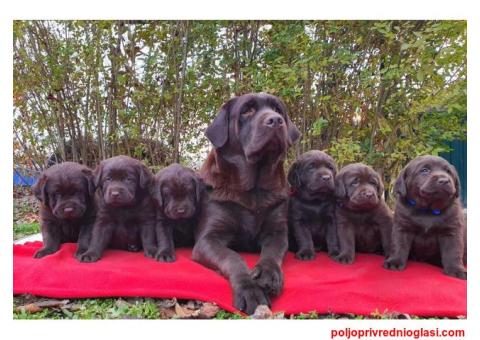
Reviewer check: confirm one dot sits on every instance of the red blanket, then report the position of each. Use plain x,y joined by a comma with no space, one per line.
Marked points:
320,285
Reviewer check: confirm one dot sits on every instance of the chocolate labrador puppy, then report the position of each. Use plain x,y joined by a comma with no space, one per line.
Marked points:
311,205
364,221
67,210
126,213
177,192
246,207
429,224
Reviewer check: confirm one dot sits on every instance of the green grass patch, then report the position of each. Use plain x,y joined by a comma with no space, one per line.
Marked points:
24,229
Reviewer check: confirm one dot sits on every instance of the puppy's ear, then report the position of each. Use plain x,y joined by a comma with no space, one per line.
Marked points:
400,187
217,132
40,190
292,130
340,189
294,175
89,177
146,177
156,190
199,188
97,175
456,180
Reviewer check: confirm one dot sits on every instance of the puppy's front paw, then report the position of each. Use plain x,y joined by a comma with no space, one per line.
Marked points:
344,258
305,254
165,256
43,252
150,252
459,273
248,295
89,256
393,263
269,276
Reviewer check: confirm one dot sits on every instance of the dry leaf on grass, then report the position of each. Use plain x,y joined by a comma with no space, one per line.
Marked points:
208,310
262,312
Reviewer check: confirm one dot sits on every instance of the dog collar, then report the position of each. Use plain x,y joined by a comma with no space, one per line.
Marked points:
413,203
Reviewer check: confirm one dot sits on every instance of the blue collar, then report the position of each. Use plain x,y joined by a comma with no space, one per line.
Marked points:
413,203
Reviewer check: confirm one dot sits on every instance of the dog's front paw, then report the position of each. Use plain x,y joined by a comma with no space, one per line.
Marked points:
269,276
247,295
305,254
165,256
43,252
344,258
393,263
89,256
459,273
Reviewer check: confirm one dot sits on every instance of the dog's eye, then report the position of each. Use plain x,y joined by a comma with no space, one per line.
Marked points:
330,166
373,183
108,179
311,166
425,171
355,183
128,179
248,111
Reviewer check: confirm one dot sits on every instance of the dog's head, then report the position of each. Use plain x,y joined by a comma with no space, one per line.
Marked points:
178,191
358,187
312,175
429,181
66,189
122,181
255,126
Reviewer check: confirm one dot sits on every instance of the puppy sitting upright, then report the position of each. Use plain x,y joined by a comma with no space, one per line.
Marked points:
364,221
177,192
429,224
126,214
311,205
67,211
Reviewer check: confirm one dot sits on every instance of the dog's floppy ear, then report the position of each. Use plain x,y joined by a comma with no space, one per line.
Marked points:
199,188
97,175
292,130
217,132
156,190
90,181
400,187
340,189
294,175
146,177
456,180
40,190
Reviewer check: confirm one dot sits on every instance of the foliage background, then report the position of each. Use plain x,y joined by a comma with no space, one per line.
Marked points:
381,92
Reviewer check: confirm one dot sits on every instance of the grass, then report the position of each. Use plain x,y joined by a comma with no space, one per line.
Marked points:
24,229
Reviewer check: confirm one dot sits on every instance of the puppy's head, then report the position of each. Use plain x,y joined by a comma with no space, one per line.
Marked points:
255,126
429,181
312,175
178,191
122,181
66,189
359,187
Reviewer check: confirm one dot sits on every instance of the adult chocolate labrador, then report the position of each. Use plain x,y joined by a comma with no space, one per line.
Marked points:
246,207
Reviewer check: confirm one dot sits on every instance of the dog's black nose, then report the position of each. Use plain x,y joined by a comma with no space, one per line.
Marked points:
274,120
367,194
326,178
443,180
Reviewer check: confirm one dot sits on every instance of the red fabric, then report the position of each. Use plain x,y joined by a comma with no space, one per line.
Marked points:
320,285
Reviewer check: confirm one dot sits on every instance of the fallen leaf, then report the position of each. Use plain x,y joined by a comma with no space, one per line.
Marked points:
185,313
208,310
262,312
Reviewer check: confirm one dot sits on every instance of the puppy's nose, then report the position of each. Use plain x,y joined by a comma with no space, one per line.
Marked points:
67,210
181,210
367,194
274,120
443,180
326,178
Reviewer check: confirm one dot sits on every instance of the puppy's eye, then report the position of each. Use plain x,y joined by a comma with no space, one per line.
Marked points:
330,166
373,183
355,182
128,179
425,171
248,111
108,179
311,166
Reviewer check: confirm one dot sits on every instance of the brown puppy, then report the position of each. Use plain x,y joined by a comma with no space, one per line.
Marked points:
429,224
311,205
246,208
126,214
67,211
364,221
177,192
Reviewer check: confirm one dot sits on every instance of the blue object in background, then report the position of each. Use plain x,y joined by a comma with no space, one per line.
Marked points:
458,158
24,178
